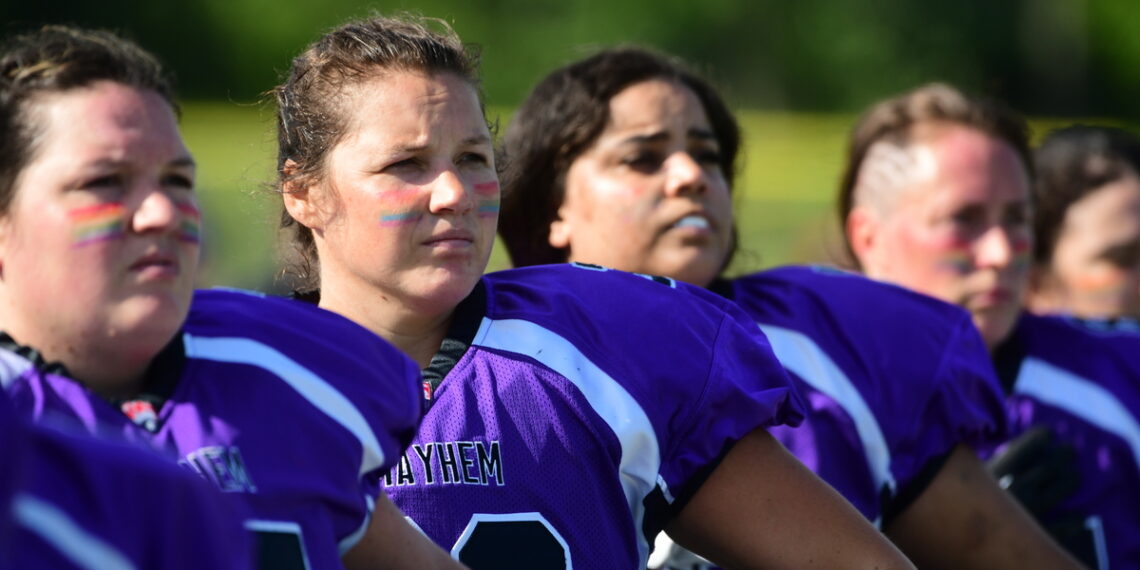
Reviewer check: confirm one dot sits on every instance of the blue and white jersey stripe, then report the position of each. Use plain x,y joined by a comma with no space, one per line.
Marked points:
1080,397
799,354
318,392
641,456
54,526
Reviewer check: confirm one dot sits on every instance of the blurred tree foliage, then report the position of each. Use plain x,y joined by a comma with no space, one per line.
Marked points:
1057,57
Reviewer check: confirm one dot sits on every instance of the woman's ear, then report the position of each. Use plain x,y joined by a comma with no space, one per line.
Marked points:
300,197
862,229
4,231
1044,294
559,237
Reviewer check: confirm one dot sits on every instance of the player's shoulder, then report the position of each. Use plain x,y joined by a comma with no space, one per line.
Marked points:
571,290
104,461
302,343
847,297
580,279
219,306
294,327
1057,334
342,370
89,488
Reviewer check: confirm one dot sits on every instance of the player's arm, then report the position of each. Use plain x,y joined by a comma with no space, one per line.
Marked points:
963,519
761,508
391,542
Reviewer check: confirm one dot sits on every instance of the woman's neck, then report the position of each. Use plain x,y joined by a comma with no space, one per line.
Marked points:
113,369
416,332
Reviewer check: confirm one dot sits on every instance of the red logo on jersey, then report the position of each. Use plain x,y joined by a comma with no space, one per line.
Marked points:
142,413
427,390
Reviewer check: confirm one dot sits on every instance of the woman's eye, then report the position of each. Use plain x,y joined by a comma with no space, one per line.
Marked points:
1017,216
405,164
1124,256
178,181
474,158
708,157
642,161
968,217
99,182
967,223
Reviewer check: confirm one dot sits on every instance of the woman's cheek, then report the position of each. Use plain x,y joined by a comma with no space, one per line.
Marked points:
97,224
488,197
399,207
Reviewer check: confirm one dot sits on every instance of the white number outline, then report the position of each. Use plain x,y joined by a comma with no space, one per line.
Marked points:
282,527
478,518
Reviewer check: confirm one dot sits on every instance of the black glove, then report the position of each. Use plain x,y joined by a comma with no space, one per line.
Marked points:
1040,472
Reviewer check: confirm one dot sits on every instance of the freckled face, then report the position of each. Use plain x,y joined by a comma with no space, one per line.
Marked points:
649,195
964,234
101,239
1095,268
416,192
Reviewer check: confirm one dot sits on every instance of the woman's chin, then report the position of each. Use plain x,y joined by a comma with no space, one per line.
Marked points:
995,327
440,292
153,319
698,270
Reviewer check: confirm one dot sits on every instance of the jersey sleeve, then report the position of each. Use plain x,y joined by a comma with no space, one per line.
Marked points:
965,405
104,502
382,404
364,371
746,388
358,396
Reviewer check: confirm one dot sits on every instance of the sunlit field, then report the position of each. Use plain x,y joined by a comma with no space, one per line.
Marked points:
790,169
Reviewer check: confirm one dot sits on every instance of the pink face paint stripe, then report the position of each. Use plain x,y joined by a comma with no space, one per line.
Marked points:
189,210
102,211
487,187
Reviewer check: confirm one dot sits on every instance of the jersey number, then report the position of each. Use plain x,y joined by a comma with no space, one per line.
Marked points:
510,541
278,545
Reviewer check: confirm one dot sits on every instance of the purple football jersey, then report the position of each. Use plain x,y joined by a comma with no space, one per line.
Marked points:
296,410
575,409
1083,380
894,380
75,502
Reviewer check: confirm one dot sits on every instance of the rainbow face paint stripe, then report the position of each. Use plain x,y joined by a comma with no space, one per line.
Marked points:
1021,255
489,199
190,226
401,207
96,224
960,262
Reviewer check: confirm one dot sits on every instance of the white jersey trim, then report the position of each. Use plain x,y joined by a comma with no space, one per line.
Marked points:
640,451
801,355
312,387
1079,396
12,365
73,541
351,540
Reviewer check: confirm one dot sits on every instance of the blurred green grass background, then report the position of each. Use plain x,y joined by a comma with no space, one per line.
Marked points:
789,171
